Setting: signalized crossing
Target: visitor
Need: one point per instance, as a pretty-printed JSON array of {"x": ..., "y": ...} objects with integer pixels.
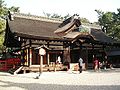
[
  {"x": 96, "y": 64},
  {"x": 80, "y": 62}
]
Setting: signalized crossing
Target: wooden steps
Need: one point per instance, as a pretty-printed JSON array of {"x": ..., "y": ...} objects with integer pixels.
[{"x": 36, "y": 68}]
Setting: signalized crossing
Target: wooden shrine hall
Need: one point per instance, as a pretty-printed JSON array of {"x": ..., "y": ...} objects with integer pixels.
[{"x": 68, "y": 40}]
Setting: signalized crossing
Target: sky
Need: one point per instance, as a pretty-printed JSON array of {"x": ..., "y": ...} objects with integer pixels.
[{"x": 85, "y": 8}]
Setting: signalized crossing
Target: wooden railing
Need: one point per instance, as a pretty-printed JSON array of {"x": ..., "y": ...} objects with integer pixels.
[{"x": 7, "y": 64}]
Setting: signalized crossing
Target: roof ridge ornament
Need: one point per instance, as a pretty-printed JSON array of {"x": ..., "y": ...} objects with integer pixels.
[
  {"x": 76, "y": 16},
  {"x": 11, "y": 15}
]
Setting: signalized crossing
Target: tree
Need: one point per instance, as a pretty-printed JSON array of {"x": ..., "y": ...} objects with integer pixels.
[
  {"x": 67, "y": 16},
  {"x": 84, "y": 20},
  {"x": 2, "y": 22},
  {"x": 56, "y": 16},
  {"x": 14, "y": 9},
  {"x": 47, "y": 14},
  {"x": 2, "y": 7},
  {"x": 110, "y": 23},
  {"x": 3, "y": 12}
]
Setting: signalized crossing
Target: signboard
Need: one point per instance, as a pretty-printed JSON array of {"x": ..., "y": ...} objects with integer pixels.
[{"x": 42, "y": 51}]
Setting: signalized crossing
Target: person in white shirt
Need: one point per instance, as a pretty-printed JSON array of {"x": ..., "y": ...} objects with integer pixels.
[{"x": 80, "y": 62}]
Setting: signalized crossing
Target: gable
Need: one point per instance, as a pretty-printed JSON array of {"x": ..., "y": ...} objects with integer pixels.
[{"x": 74, "y": 30}]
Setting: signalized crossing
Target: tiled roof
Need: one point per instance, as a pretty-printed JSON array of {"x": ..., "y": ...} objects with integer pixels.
[
  {"x": 99, "y": 35},
  {"x": 68, "y": 25},
  {"x": 40, "y": 27},
  {"x": 71, "y": 30},
  {"x": 34, "y": 26}
]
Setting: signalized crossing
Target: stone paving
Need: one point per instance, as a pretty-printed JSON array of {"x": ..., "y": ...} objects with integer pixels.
[{"x": 62, "y": 80}]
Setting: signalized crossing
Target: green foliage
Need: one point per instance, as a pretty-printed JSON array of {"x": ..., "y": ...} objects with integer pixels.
[
  {"x": 56, "y": 16},
  {"x": 110, "y": 23},
  {"x": 84, "y": 20},
  {"x": 2, "y": 23},
  {"x": 48, "y": 15},
  {"x": 2, "y": 8},
  {"x": 83, "y": 29},
  {"x": 66, "y": 16},
  {"x": 3, "y": 13},
  {"x": 2, "y": 27},
  {"x": 14, "y": 9}
]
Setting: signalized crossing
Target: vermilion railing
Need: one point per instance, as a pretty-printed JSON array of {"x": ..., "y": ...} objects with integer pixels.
[{"x": 5, "y": 65}]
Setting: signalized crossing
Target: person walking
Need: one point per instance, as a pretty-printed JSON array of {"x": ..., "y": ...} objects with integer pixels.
[
  {"x": 80, "y": 62},
  {"x": 96, "y": 63}
]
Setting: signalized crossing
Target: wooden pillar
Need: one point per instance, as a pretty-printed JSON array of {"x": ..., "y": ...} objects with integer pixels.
[
  {"x": 67, "y": 58},
  {"x": 86, "y": 62},
  {"x": 27, "y": 56},
  {"x": 30, "y": 43},
  {"x": 42, "y": 52},
  {"x": 48, "y": 58},
  {"x": 48, "y": 55},
  {"x": 30, "y": 56},
  {"x": 41, "y": 63}
]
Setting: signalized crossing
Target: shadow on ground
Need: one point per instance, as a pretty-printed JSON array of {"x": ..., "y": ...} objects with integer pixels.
[
  {"x": 37, "y": 86},
  {"x": 105, "y": 71}
]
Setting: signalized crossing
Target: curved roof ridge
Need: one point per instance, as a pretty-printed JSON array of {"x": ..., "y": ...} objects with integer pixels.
[{"x": 35, "y": 17}]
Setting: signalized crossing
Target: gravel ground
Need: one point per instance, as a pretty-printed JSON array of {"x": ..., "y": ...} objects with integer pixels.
[{"x": 88, "y": 80}]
